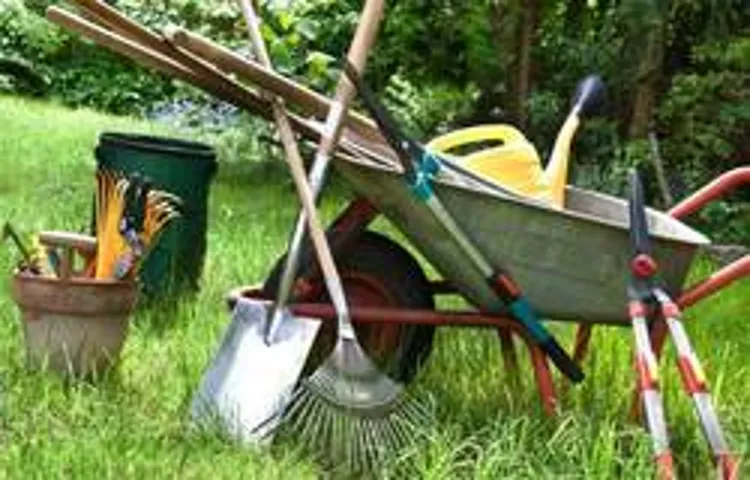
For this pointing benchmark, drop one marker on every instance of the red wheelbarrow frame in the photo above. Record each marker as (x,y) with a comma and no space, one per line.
(360,213)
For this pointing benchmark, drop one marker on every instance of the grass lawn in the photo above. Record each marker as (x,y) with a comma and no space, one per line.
(135,423)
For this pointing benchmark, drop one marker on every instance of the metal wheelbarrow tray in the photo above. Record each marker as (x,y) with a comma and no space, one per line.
(570,263)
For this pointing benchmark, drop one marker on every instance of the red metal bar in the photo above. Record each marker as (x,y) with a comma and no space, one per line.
(664,466)
(729,467)
(429,317)
(539,361)
(357,215)
(583,338)
(717,281)
(543,377)
(347,226)
(412,316)
(713,190)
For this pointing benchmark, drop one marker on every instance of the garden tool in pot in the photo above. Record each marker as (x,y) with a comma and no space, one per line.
(29,262)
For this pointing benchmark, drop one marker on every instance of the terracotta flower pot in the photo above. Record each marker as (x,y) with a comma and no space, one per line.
(75,326)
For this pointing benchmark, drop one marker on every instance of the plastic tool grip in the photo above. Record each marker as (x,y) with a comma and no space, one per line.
(562,360)
(519,306)
(638,224)
(523,312)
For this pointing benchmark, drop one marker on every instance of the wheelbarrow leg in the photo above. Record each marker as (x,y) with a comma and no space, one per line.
(510,360)
(580,348)
(583,338)
(543,377)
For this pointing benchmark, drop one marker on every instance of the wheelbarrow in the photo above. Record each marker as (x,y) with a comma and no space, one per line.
(569,263)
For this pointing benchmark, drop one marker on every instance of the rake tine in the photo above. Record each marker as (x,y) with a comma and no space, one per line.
(326,433)
(400,428)
(386,440)
(377,441)
(296,406)
(351,431)
(313,410)
(364,444)
(336,437)
(164,195)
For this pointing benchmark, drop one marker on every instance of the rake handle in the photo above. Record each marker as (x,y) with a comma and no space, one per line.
(364,37)
(296,166)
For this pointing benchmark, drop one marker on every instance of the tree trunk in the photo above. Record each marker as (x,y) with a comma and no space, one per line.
(526,36)
(514,25)
(647,81)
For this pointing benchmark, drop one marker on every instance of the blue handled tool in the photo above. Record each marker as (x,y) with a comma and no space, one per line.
(420,167)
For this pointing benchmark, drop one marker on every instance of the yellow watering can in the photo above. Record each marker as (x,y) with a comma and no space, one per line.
(515,163)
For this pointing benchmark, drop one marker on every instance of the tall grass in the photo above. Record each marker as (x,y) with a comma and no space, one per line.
(135,424)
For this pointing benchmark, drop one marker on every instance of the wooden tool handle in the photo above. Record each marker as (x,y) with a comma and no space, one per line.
(296,166)
(127,46)
(86,244)
(266,78)
(69,243)
(364,37)
(123,25)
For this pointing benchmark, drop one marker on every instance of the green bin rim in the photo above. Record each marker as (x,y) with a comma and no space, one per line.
(148,143)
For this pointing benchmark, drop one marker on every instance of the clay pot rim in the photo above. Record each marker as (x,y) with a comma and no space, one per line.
(75,281)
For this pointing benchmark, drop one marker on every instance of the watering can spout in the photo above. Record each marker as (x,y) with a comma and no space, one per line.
(556,173)
(589,99)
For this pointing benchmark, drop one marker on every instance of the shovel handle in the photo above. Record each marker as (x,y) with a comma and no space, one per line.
(637,209)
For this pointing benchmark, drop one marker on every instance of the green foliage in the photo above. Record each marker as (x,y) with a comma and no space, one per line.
(77,72)
(728,222)
(449,63)
(706,111)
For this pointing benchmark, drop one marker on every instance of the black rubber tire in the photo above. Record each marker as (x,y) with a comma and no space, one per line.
(379,259)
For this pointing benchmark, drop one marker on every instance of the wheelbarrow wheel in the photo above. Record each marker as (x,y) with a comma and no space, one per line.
(375,272)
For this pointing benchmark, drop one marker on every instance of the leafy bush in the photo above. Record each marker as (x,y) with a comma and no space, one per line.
(76,71)
(705,113)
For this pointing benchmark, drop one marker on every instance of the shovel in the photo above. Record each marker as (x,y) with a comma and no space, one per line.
(251,380)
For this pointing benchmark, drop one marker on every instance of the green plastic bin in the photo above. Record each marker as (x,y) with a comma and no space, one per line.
(185,169)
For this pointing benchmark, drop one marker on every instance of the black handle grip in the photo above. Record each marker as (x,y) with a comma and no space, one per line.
(637,212)
(562,360)
(590,96)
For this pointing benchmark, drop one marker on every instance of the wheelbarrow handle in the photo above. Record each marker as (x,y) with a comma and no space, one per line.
(736,270)
(719,186)
(718,280)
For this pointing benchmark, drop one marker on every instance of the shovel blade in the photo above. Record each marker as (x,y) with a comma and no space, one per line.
(248,385)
